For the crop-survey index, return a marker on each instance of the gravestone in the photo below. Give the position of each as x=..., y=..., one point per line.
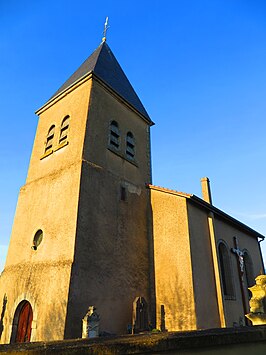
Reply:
x=140, y=321
x=91, y=324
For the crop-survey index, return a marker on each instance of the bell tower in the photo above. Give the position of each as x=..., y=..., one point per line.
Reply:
x=80, y=233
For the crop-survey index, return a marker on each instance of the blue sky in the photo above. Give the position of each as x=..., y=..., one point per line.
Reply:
x=198, y=67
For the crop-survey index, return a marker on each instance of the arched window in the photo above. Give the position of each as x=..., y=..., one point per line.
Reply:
x=130, y=146
x=114, y=136
x=64, y=130
x=226, y=271
x=248, y=267
x=49, y=139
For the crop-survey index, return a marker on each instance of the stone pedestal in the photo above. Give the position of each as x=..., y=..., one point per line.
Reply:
x=91, y=324
x=257, y=303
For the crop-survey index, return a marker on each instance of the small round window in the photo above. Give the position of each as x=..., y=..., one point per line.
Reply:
x=37, y=239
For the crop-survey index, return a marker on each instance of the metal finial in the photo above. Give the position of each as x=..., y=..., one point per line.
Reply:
x=105, y=29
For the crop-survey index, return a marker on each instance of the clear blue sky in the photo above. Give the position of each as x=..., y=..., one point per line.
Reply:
x=199, y=68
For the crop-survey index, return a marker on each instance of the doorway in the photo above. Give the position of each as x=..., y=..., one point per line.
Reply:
x=22, y=323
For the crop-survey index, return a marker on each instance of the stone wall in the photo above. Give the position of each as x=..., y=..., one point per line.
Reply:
x=242, y=340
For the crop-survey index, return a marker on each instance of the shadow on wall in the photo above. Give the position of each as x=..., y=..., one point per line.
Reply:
x=179, y=312
x=56, y=315
x=109, y=271
x=3, y=314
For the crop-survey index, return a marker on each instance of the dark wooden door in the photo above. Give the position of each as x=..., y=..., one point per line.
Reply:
x=24, y=324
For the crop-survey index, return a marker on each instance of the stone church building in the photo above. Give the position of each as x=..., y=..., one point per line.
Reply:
x=91, y=230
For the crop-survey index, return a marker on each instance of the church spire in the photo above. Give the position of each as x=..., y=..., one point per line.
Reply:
x=103, y=64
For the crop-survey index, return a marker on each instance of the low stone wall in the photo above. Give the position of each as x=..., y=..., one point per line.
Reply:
x=243, y=340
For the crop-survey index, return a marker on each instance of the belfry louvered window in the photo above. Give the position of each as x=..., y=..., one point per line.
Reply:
x=49, y=139
x=114, y=137
x=64, y=130
x=130, y=146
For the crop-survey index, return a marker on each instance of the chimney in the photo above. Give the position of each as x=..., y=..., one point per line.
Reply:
x=206, y=190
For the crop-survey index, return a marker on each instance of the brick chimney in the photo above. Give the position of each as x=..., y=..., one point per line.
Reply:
x=206, y=190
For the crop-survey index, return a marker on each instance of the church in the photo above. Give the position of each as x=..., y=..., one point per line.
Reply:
x=91, y=229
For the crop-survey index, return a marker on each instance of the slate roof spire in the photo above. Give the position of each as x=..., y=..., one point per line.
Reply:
x=104, y=65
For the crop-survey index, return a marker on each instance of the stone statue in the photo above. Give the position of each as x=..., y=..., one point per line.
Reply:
x=257, y=303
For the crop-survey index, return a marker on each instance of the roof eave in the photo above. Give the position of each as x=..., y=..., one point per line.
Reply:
x=80, y=81
x=168, y=191
x=226, y=216
x=121, y=98
x=63, y=93
x=210, y=208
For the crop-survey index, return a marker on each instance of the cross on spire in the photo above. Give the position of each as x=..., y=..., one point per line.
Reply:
x=105, y=29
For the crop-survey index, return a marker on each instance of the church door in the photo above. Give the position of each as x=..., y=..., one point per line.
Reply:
x=24, y=323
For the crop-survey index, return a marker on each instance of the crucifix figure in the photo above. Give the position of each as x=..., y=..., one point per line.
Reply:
x=105, y=29
x=241, y=269
x=240, y=255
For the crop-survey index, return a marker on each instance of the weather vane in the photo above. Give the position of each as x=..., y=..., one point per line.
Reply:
x=105, y=29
